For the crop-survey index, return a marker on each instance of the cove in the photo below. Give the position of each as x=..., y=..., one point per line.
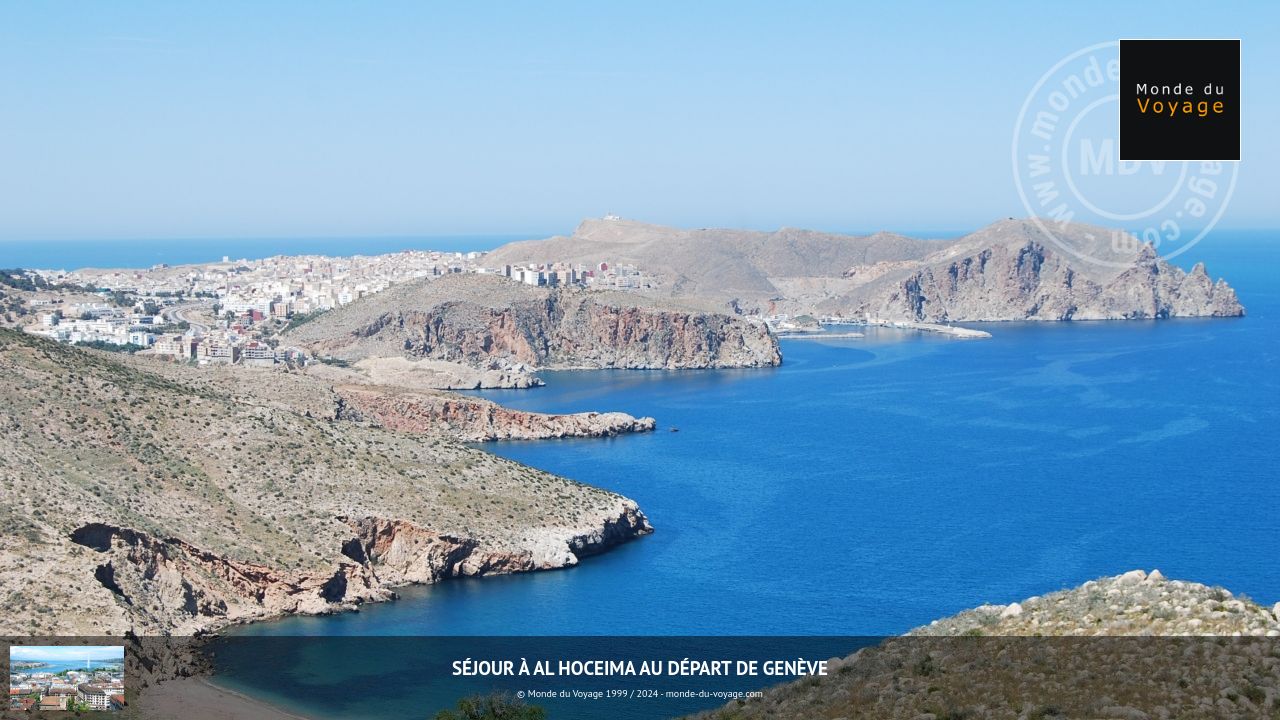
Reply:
x=869, y=486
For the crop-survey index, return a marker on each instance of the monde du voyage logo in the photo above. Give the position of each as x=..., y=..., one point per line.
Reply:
x=1180, y=100
x=1131, y=141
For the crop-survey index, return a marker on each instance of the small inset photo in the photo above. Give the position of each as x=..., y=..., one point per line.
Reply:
x=77, y=678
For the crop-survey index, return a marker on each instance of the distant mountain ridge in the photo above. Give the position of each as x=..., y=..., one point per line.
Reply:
x=1009, y=270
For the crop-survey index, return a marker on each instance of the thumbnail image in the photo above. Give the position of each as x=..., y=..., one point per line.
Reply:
x=66, y=677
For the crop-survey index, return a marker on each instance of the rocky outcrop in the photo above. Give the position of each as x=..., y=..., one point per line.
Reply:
x=1136, y=645
x=1134, y=603
x=476, y=420
x=168, y=582
x=477, y=320
x=1010, y=271
x=397, y=552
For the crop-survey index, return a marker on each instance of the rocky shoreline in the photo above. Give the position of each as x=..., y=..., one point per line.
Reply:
x=171, y=583
x=472, y=419
x=199, y=500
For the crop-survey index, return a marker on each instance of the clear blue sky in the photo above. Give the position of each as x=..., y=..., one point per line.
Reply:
x=172, y=119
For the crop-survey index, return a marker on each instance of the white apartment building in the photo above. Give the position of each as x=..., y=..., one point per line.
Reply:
x=94, y=696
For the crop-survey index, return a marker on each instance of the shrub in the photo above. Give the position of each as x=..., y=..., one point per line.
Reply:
x=492, y=707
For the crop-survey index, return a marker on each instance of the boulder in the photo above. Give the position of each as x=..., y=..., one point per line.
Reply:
x=1133, y=577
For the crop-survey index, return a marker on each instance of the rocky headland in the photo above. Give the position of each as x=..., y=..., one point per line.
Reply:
x=483, y=320
x=155, y=498
x=472, y=419
x=1010, y=270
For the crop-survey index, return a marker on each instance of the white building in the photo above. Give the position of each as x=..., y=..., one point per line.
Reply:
x=94, y=696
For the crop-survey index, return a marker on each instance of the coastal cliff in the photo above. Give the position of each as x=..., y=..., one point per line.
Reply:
x=1137, y=645
x=191, y=500
x=170, y=583
x=396, y=552
x=479, y=320
x=473, y=419
x=1010, y=271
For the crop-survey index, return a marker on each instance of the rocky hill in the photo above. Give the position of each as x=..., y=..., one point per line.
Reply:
x=478, y=320
x=161, y=498
x=715, y=262
x=1132, y=646
x=1009, y=270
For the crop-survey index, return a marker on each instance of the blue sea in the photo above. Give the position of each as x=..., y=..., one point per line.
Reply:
x=75, y=254
x=868, y=486
x=57, y=666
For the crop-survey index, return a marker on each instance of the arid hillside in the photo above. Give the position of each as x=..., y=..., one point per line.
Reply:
x=486, y=321
x=1009, y=270
x=1136, y=645
x=716, y=261
x=167, y=499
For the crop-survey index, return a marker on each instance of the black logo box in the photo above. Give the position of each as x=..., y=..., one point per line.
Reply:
x=1187, y=68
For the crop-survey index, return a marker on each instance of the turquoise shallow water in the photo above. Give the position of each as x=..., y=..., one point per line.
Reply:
x=869, y=486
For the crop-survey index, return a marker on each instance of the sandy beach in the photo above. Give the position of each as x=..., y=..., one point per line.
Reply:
x=200, y=699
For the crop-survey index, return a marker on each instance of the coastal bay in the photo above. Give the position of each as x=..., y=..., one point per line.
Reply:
x=868, y=486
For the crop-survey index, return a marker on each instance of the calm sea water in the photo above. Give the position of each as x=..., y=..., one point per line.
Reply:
x=869, y=486
x=57, y=666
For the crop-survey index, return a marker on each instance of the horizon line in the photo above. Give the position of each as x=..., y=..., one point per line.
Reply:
x=917, y=232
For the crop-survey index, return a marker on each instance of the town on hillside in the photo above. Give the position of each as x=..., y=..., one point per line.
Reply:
x=232, y=311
